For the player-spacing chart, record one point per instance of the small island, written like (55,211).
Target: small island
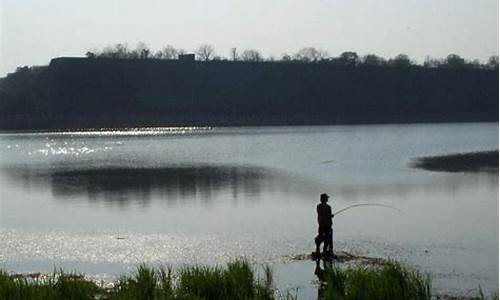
(483,161)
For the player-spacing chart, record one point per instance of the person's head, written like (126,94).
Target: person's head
(323,198)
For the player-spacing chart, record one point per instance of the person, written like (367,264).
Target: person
(325,217)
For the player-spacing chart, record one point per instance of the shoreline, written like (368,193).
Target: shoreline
(207,128)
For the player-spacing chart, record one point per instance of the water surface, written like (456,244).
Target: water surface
(102,202)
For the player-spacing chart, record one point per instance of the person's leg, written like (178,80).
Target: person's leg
(324,238)
(330,240)
(317,241)
(327,249)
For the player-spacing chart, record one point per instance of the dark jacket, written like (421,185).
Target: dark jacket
(324,215)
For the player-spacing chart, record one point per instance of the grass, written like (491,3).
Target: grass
(386,282)
(56,286)
(236,281)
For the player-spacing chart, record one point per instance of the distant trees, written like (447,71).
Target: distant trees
(454,61)
(233,54)
(400,60)
(372,60)
(251,55)
(121,50)
(311,54)
(168,52)
(348,58)
(493,62)
(207,53)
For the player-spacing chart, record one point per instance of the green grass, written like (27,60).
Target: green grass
(236,281)
(56,286)
(386,282)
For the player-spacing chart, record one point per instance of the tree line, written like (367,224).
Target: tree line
(207,52)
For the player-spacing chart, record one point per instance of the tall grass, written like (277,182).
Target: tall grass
(236,281)
(386,282)
(56,286)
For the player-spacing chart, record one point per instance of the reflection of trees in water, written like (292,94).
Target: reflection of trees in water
(447,183)
(125,185)
(141,185)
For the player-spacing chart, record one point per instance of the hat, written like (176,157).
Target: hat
(324,197)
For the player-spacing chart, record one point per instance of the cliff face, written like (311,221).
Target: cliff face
(82,92)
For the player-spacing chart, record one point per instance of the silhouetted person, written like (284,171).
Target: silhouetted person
(325,226)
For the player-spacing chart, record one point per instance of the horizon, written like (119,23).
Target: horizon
(388,28)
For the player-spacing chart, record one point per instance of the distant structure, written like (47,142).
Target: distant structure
(186,57)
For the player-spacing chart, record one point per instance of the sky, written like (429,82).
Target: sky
(34,31)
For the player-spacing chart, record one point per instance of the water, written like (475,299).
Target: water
(102,202)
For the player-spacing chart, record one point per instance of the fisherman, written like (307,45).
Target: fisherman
(324,236)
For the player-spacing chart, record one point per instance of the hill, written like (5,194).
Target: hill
(89,93)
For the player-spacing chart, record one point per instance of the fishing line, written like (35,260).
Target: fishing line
(367,204)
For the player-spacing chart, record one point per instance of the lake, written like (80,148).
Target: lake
(102,202)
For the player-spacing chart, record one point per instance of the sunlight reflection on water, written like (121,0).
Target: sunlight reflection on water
(208,195)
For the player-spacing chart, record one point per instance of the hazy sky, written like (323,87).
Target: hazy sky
(34,31)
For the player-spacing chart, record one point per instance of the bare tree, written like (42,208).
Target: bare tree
(233,54)
(167,52)
(432,62)
(251,55)
(311,54)
(121,50)
(107,52)
(141,51)
(205,52)
(493,62)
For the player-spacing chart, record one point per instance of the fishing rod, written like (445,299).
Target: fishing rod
(367,204)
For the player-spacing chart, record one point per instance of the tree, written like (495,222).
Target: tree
(108,52)
(251,55)
(286,57)
(372,60)
(167,52)
(233,54)
(142,51)
(90,54)
(349,58)
(311,54)
(454,61)
(120,51)
(205,52)
(400,60)
(432,62)
(493,62)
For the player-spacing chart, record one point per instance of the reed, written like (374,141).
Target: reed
(59,285)
(237,281)
(386,282)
